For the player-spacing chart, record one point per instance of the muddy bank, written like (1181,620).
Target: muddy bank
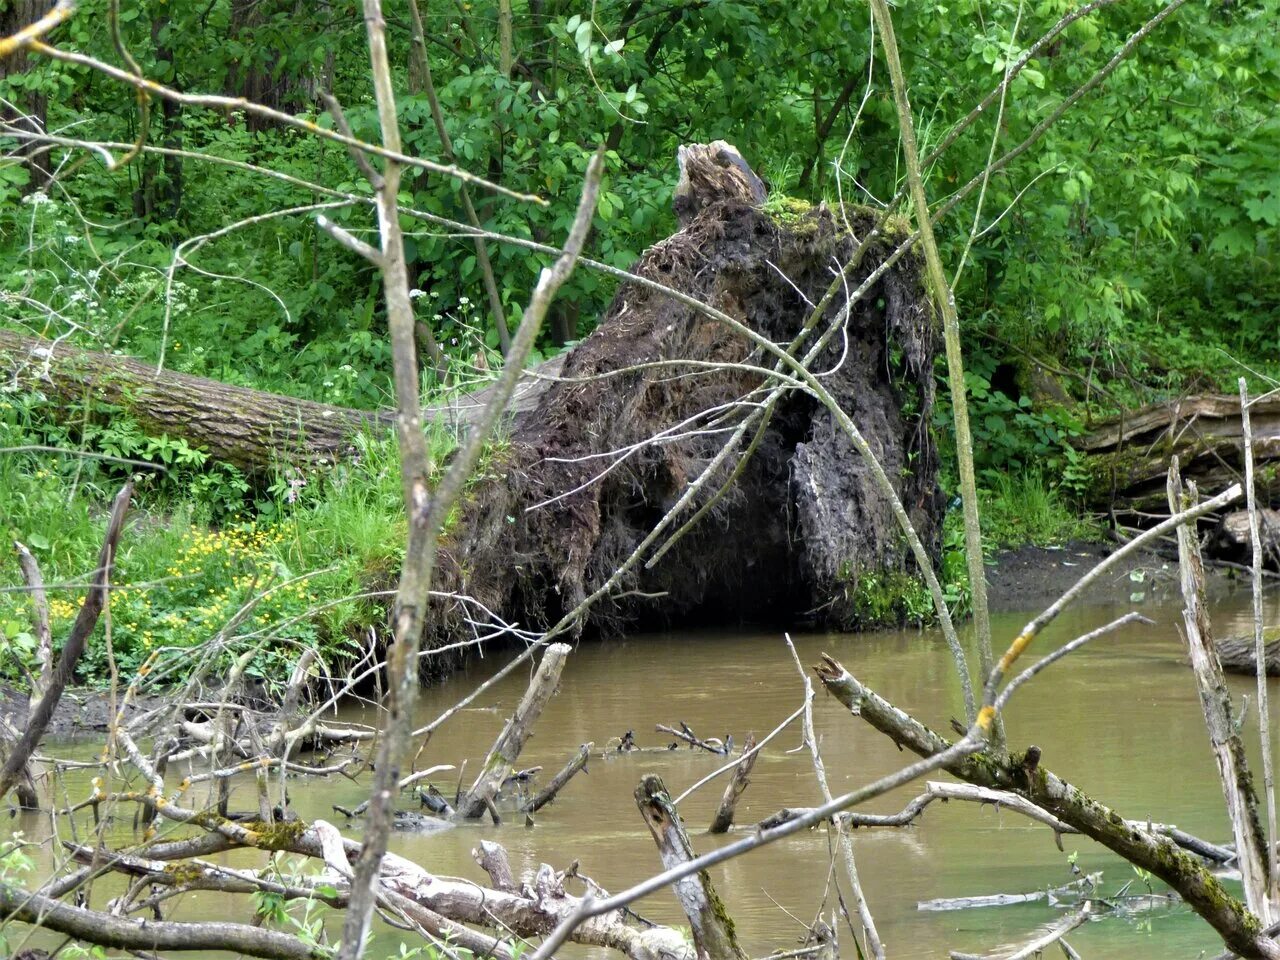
(1027,579)
(80,711)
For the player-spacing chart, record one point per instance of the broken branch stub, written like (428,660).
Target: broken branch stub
(713,932)
(723,819)
(506,750)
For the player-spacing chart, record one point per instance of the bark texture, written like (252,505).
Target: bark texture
(713,933)
(1238,655)
(249,428)
(1215,701)
(30,112)
(1129,455)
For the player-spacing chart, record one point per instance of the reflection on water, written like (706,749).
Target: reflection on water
(1119,718)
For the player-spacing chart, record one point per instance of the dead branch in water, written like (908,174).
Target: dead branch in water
(578,763)
(869,933)
(1215,702)
(737,784)
(711,744)
(1036,945)
(506,750)
(1259,649)
(713,933)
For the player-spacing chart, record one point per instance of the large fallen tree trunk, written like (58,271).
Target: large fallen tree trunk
(252,429)
(1238,655)
(1129,455)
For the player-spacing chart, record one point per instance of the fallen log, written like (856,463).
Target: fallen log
(1129,455)
(1237,653)
(1230,540)
(1048,935)
(93,926)
(251,429)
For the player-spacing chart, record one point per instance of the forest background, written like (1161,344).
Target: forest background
(1130,255)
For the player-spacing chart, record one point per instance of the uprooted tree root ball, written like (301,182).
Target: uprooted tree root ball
(602,458)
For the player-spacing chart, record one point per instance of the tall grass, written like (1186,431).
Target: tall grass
(1024,508)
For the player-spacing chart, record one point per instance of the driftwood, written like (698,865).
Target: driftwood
(710,744)
(713,933)
(493,860)
(96,927)
(439,904)
(1129,455)
(1238,656)
(578,763)
(1051,934)
(1215,701)
(723,819)
(506,750)
(1231,540)
(1083,885)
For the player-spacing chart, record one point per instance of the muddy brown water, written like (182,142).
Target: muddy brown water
(1120,719)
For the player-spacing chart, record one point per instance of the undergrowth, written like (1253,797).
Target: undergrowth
(306,561)
(1025,508)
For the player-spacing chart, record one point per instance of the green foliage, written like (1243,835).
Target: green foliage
(297,576)
(1025,508)
(1012,435)
(1135,243)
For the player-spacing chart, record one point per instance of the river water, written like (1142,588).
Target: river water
(1119,718)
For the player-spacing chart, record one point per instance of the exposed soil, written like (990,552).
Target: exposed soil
(1027,579)
(80,711)
(801,527)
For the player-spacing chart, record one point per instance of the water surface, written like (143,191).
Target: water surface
(1119,718)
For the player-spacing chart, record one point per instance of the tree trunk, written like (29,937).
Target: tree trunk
(260,75)
(1238,656)
(248,428)
(32,108)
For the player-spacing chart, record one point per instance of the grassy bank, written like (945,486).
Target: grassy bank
(299,564)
